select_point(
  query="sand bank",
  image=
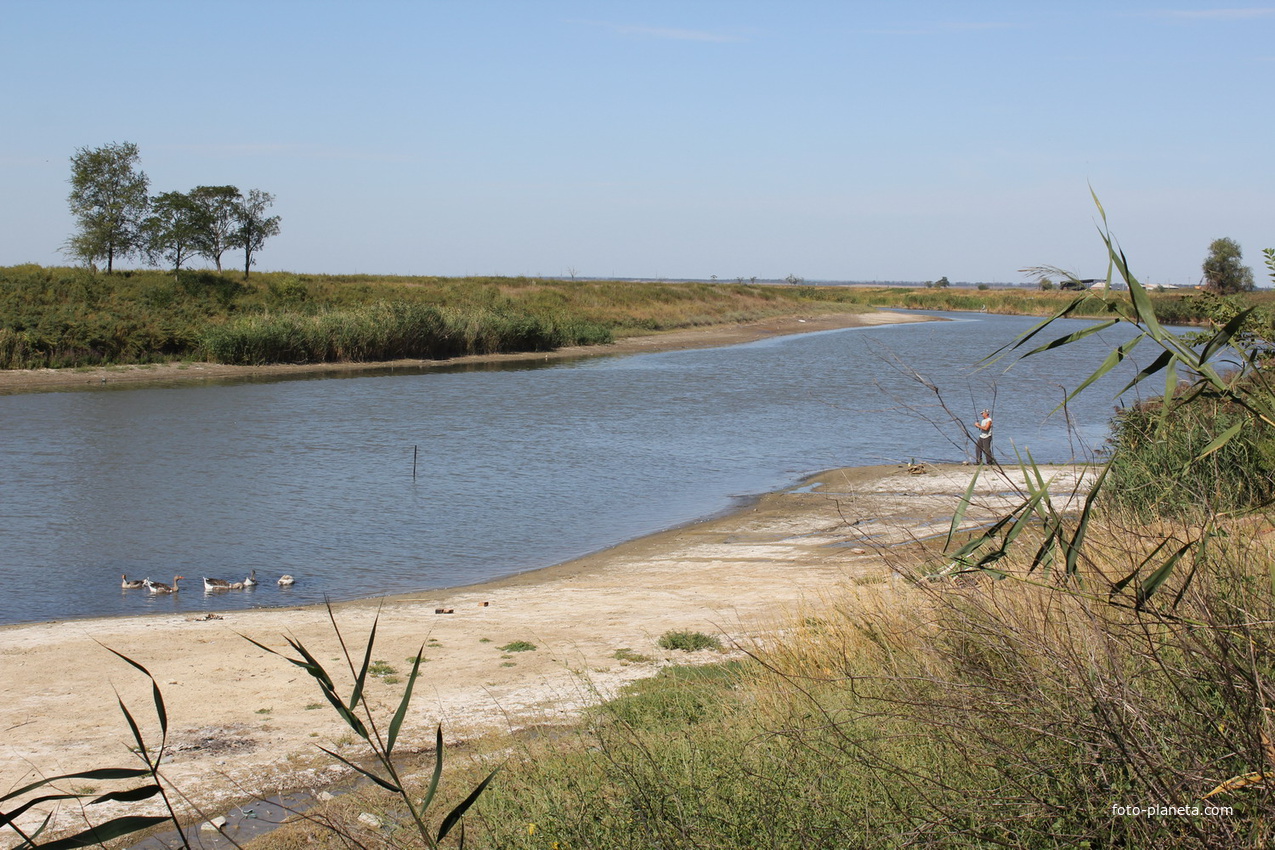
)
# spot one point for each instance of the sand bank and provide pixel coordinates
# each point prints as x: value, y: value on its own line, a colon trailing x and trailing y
x: 168, y: 374
x: 245, y: 723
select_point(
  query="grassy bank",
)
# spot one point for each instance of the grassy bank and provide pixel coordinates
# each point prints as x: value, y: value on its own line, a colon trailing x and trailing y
x: 1171, y: 307
x: 67, y: 317
x: 63, y: 317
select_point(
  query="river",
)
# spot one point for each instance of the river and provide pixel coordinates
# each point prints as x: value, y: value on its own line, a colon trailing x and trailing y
x: 516, y: 468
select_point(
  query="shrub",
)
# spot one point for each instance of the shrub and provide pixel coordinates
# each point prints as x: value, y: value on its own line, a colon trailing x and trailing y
x: 1157, y: 468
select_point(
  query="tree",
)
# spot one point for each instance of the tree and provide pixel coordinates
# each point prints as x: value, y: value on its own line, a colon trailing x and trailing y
x: 215, y: 207
x: 109, y: 200
x: 252, y: 227
x: 1224, y: 272
x: 171, y: 232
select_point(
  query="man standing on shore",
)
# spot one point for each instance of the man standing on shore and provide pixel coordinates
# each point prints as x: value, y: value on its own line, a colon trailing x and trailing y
x: 983, y: 445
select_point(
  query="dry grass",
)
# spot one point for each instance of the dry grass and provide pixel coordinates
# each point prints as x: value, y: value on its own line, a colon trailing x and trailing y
x: 1048, y: 706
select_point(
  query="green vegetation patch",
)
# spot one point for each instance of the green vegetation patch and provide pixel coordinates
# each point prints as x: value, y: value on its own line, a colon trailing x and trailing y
x: 1157, y: 468
x: 519, y: 646
x: 677, y: 696
x: 689, y: 641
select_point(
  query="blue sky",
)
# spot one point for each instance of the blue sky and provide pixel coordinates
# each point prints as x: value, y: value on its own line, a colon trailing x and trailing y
x: 831, y: 140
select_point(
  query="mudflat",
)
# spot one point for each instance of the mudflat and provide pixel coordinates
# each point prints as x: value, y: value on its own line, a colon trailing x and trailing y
x: 245, y: 723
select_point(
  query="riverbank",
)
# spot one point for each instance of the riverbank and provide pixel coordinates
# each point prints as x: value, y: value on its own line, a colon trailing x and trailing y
x: 244, y: 723
x: 181, y: 373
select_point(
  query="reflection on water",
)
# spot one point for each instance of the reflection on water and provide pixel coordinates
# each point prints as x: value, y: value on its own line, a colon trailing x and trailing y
x: 517, y: 467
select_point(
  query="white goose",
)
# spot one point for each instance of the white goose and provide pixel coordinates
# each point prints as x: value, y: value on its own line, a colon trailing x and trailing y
x: 157, y: 587
x: 286, y: 581
x: 131, y: 585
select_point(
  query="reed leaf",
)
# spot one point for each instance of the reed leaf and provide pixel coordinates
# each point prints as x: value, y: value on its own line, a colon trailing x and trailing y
x: 1225, y: 334
x: 1124, y: 582
x: 962, y: 506
x: 361, y: 679
x: 1073, y: 337
x: 1156, y: 580
x: 1162, y: 360
x: 1087, y: 511
x: 438, y: 770
x: 384, y: 783
x: 156, y: 696
x: 137, y: 732
x: 1221, y: 440
x: 99, y: 774
x: 132, y: 795
x: 7, y: 818
x: 1111, y: 361
x: 457, y: 813
x: 401, y: 714
x: 109, y: 831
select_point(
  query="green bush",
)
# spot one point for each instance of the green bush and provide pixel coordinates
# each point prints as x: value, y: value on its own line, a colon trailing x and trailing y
x: 1156, y: 468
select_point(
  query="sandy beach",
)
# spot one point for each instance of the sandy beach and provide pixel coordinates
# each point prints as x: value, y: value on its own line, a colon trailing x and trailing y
x: 244, y: 723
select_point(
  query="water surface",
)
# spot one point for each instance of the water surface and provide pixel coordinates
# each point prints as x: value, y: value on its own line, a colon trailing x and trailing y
x: 517, y: 468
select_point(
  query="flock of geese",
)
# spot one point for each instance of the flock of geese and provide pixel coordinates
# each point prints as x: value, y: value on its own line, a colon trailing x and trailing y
x: 210, y: 584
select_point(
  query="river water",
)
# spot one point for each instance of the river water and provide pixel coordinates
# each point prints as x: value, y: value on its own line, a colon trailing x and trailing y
x: 515, y: 468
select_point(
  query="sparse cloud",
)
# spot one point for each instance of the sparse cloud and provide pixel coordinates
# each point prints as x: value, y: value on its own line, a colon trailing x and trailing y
x: 1222, y: 14
x: 666, y: 33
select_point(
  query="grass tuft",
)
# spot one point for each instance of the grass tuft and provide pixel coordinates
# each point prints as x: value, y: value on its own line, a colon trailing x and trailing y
x: 687, y: 641
x: 518, y: 646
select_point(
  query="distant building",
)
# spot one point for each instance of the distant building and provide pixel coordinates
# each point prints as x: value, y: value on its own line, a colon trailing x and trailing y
x: 1082, y: 285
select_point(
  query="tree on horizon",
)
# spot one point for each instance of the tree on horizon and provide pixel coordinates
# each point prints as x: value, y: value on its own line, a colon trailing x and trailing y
x: 252, y: 226
x: 109, y: 201
x: 1224, y: 270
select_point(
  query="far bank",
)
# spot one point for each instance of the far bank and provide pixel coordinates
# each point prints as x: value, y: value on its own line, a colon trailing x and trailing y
x: 70, y: 318
x: 184, y: 373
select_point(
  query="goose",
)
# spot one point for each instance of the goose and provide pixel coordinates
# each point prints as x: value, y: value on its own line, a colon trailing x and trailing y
x: 156, y: 587
x: 132, y: 585
x: 211, y: 584
x: 251, y: 581
x: 286, y: 581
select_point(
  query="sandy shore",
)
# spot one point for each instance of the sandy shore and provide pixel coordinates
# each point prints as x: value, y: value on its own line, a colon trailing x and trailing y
x: 245, y: 723
x: 168, y: 374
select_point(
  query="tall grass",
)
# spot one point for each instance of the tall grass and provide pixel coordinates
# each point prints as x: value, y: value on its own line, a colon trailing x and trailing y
x: 389, y: 331
x: 942, y: 714
x: 1159, y: 466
